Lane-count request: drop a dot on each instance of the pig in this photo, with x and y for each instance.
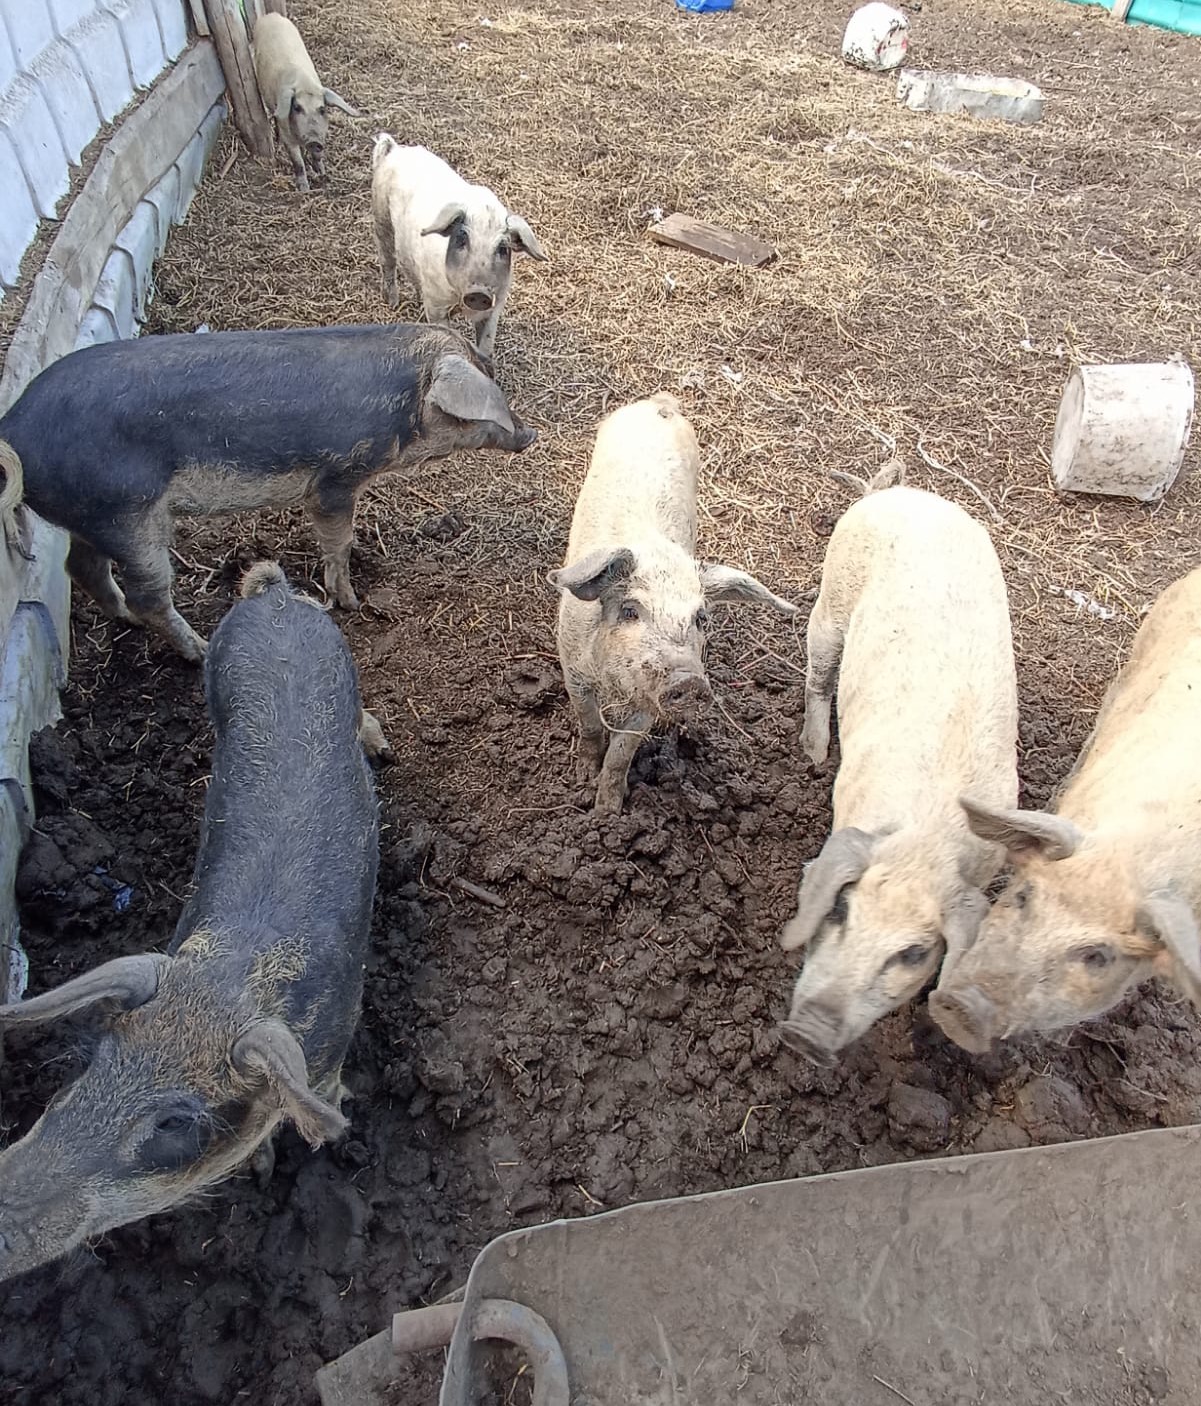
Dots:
(244, 1024)
(634, 600)
(913, 607)
(1106, 887)
(116, 441)
(454, 241)
(293, 95)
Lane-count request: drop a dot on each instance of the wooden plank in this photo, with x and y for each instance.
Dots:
(1121, 8)
(141, 151)
(711, 241)
(228, 24)
(199, 18)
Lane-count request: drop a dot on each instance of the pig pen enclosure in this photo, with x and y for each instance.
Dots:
(608, 1035)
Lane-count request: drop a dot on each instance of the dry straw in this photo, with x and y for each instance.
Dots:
(937, 276)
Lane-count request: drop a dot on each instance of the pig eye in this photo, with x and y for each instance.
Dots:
(321, 110)
(702, 619)
(178, 1135)
(912, 956)
(458, 240)
(503, 251)
(1021, 896)
(1096, 957)
(629, 611)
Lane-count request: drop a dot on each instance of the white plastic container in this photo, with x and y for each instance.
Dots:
(1123, 430)
(877, 37)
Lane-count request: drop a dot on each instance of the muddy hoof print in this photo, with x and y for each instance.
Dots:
(532, 686)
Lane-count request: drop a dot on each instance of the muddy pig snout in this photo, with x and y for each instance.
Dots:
(813, 1030)
(684, 693)
(478, 300)
(966, 1015)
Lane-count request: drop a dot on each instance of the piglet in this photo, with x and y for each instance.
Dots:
(635, 601)
(454, 241)
(245, 1023)
(117, 441)
(294, 95)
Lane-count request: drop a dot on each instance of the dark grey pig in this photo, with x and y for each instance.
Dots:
(247, 1021)
(116, 441)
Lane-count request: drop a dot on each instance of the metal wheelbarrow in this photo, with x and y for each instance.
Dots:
(1058, 1274)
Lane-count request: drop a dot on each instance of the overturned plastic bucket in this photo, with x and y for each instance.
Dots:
(1068, 1273)
(1122, 430)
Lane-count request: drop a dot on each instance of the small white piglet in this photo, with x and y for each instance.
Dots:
(454, 241)
(634, 599)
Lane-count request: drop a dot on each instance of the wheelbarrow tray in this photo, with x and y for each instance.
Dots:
(1069, 1273)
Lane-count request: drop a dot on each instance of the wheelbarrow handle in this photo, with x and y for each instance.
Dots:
(421, 1329)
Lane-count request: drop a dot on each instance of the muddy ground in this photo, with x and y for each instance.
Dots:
(609, 1035)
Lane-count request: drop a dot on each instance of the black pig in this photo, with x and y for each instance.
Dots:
(247, 1021)
(116, 441)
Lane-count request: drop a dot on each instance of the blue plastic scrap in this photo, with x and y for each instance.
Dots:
(703, 7)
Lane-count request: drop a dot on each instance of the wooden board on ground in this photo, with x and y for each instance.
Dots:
(711, 241)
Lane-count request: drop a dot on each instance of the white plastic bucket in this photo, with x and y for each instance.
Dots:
(1123, 429)
(877, 37)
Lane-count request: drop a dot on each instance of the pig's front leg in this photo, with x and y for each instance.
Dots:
(331, 511)
(436, 314)
(299, 174)
(485, 331)
(594, 737)
(623, 743)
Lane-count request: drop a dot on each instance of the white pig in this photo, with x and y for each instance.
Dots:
(634, 599)
(1106, 888)
(454, 241)
(913, 605)
(293, 94)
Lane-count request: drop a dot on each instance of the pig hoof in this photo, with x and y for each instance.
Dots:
(302, 183)
(608, 803)
(262, 1163)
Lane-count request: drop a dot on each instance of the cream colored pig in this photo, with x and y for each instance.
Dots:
(1106, 888)
(913, 606)
(635, 600)
(294, 95)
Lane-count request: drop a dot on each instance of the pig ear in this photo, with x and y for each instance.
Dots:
(129, 981)
(333, 100)
(1024, 833)
(1172, 924)
(843, 860)
(593, 575)
(726, 583)
(268, 1050)
(462, 390)
(524, 238)
(283, 104)
(447, 216)
(961, 921)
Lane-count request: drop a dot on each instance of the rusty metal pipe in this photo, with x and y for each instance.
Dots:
(421, 1329)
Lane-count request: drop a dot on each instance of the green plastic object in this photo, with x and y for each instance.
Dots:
(1182, 16)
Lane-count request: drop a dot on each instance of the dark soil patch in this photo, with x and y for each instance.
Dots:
(609, 1035)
